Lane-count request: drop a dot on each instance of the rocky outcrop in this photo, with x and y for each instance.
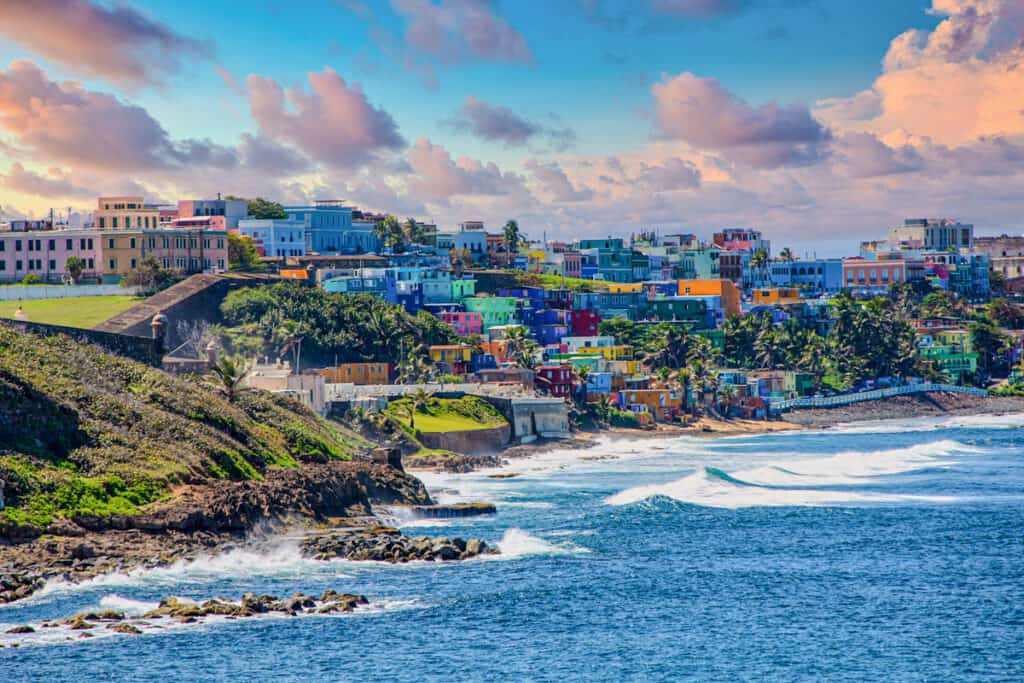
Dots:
(86, 624)
(201, 519)
(456, 510)
(385, 544)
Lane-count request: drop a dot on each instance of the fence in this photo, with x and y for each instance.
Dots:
(847, 399)
(24, 292)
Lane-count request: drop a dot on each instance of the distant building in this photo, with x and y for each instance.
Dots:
(233, 210)
(125, 213)
(275, 237)
(859, 273)
(933, 233)
(816, 276)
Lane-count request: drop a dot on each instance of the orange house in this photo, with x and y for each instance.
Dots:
(724, 289)
(358, 373)
(294, 273)
(662, 404)
(776, 295)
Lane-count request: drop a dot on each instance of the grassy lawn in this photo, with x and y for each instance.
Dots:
(81, 311)
(449, 415)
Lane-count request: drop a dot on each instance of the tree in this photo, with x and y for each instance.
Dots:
(150, 277)
(1005, 313)
(625, 331)
(582, 373)
(242, 254)
(74, 267)
(521, 348)
(389, 231)
(512, 236)
(289, 336)
(938, 305)
(264, 209)
(759, 259)
(726, 398)
(670, 346)
(990, 344)
(787, 255)
(228, 374)
(412, 231)
(418, 403)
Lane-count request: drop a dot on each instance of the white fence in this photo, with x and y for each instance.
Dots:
(25, 292)
(847, 399)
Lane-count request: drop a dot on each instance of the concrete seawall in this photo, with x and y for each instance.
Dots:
(471, 442)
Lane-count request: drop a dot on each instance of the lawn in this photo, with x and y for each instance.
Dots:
(449, 415)
(81, 311)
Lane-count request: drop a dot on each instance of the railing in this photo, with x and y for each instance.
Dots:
(847, 399)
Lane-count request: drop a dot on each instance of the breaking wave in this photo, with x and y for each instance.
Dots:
(804, 482)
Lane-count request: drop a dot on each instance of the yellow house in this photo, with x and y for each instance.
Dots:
(451, 353)
(961, 339)
(358, 373)
(125, 213)
(625, 287)
(535, 261)
(776, 295)
(121, 251)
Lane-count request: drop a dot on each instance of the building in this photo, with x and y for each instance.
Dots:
(309, 389)
(464, 323)
(275, 237)
(862, 274)
(495, 311)
(357, 373)
(814, 277)
(191, 245)
(933, 234)
(660, 404)
(329, 229)
(948, 350)
(231, 210)
(725, 290)
(452, 359)
(555, 380)
(125, 213)
(45, 254)
(777, 296)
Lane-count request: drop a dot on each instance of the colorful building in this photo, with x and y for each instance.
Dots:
(725, 290)
(357, 373)
(776, 296)
(463, 322)
(453, 359)
(45, 254)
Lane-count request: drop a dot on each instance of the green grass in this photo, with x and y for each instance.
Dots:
(448, 415)
(79, 311)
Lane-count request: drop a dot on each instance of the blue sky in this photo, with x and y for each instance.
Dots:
(712, 106)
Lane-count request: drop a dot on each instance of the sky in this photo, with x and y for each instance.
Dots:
(821, 122)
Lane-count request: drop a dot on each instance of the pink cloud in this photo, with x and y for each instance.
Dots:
(436, 176)
(493, 123)
(116, 43)
(456, 30)
(56, 183)
(65, 123)
(334, 122)
(556, 184)
(704, 114)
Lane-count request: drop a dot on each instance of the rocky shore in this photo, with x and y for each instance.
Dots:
(181, 611)
(386, 544)
(199, 520)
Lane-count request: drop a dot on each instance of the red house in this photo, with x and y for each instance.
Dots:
(584, 323)
(555, 380)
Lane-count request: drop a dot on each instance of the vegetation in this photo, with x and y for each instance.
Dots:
(262, 208)
(31, 279)
(334, 327)
(74, 266)
(228, 373)
(425, 413)
(150, 277)
(78, 311)
(88, 433)
(391, 233)
(242, 254)
(558, 282)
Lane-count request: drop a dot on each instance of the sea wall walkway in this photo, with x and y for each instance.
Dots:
(846, 399)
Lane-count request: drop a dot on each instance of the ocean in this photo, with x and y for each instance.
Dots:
(876, 551)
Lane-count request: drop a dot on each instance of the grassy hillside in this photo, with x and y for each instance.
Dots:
(77, 311)
(84, 432)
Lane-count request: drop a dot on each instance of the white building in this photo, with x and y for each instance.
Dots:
(933, 234)
(275, 237)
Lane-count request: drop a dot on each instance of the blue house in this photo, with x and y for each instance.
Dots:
(329, 229)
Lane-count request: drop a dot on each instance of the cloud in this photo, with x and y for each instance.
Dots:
(673, 174)
(230, 82)
(334, 123)
(262, 154)
(497, 123)
(555, 182)
(57, 184)
(704, 114)
(65, 123)
(455, 31)
(695, 9)
(436, 176)
(116, 43)
(862, 155)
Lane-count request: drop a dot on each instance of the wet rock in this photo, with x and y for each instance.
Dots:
(385, 544)
(125, 628)
(25, 628)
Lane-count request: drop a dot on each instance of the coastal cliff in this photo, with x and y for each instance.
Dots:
(109, 464)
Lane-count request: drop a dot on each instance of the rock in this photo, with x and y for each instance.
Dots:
(78, 623)
(125, 628)
(25, 628)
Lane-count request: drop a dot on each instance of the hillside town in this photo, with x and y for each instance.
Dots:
(651, 329)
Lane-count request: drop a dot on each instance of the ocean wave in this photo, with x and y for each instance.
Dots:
(803, 482)
(516, 543)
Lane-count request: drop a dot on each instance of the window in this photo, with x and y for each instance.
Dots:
(53, 265)
(92, 264)
(113, 222)
(51, 245)
(3, 266)
(17, 265)
(90, 242)
(112, 264)
(31, 262)
(131, 243)
(3, 245)
(134, 264)
(17, 245)
(110, 243)
(103, 223)
(69, 245)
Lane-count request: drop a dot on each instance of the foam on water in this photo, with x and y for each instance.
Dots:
(517, 543)
(802, 482)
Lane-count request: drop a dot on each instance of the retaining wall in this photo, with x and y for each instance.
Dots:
(471, 442)
(143, 349)
(31, 292)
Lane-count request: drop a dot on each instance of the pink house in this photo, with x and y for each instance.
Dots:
(45, 253)
(464, 323)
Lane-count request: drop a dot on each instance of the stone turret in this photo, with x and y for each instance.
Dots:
(159, 326)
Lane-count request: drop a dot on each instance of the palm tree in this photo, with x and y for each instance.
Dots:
(228, 375)
(582, 375)
(727, 396)
(412, 232)
(389, 231)
(417, 403)
(512, 237)
(787, 255)
(521, 347)
(684, 377)
(74, 265)
(289, 336)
